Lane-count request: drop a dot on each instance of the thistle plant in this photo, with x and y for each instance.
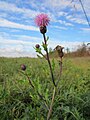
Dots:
(42, 21)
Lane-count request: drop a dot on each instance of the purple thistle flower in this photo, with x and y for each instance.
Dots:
(42, 20)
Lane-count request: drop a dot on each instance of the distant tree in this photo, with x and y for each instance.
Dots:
(67, 50)
(50, 50)
(88, 43)
(88, 47)
(82, 50)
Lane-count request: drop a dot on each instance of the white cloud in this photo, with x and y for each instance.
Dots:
(58, 4)
(65, 23)
(72, 45)
(86, 4)
(5, 6)
(58, 27)
(77, 19)
(54, 9)
(9, 7)
(20, 48)
(74, 12)
(16, 51)
(3, 15)
(17, 48)
(9, 24)
(61, 13)
(21, 39)
(86, 29)
(78, 15)
(28, 38)
(6, 38)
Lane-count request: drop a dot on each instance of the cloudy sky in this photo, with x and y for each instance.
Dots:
(19, 34)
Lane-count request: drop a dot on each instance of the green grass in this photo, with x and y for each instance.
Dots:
(19, 101)
(82, 62)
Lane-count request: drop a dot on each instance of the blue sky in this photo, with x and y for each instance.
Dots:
(19, 34)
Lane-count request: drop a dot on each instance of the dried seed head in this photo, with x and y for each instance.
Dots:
(59, 50)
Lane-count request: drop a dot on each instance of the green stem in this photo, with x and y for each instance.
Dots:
(29, 79)
(51, 106)
(60, 63)
(51, 71)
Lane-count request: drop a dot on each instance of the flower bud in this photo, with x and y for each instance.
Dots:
(43, 29)
(23, 67)
(37, 46)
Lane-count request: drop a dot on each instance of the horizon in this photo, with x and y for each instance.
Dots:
(18, 33)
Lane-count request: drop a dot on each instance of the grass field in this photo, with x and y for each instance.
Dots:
(19, 101)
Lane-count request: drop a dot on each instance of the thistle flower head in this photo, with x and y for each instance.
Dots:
(42, 20)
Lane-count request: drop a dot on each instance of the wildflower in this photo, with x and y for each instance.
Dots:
(37, 46)
(23, 67)
(42, 20)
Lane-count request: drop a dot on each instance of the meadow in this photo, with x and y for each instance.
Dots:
(20, 101)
